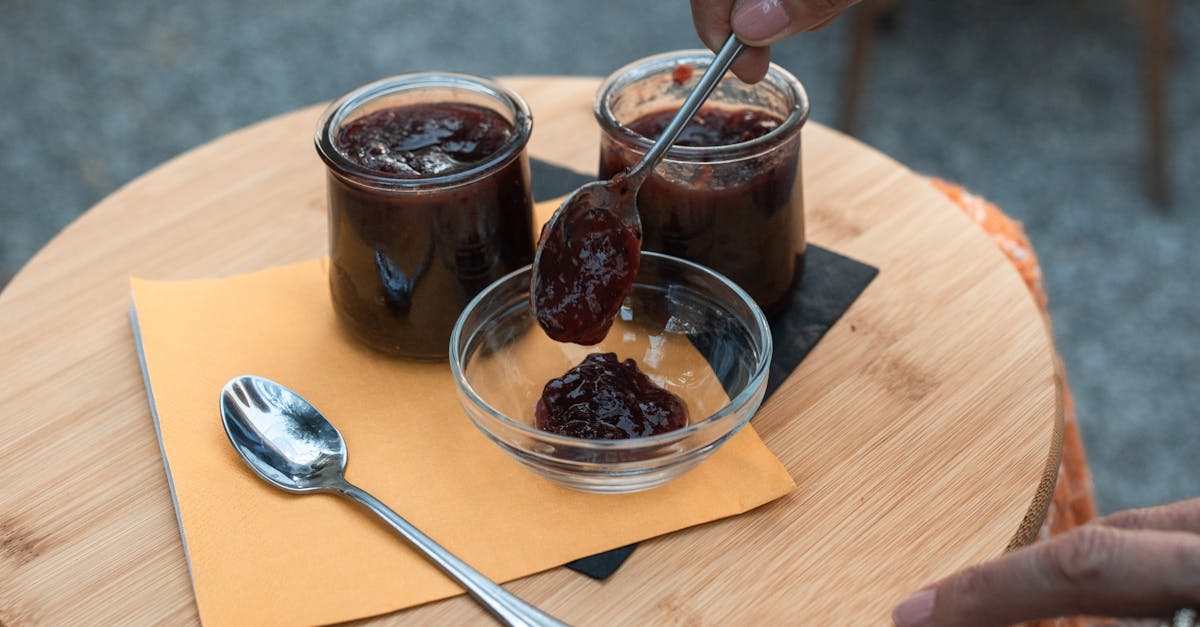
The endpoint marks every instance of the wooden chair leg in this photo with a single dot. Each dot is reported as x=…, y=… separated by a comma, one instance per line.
x=1156, y=69
x=866, y=18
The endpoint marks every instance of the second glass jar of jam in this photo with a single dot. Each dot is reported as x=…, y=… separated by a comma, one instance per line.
x=429, y=202
x=729, y=194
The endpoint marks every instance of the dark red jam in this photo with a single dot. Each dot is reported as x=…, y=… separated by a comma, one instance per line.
x=710, y=127
x=404, y=263
x=681, y=74
x=741, y=218
x=583, y=274
x=422, y=140
x=606, y=399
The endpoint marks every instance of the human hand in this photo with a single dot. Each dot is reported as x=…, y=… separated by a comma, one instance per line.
x=1141, y=563
x=758, y=24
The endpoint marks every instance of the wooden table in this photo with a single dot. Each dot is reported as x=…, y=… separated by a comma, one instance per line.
x=923, y=431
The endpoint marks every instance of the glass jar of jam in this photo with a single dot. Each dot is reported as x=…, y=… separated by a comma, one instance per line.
x=429, y=202
x=729, y=194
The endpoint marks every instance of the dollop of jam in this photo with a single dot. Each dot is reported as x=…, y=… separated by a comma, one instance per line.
x=682, y=73
x=606, y=399
x=712, y=126
x=582, y=274
x=426, y=139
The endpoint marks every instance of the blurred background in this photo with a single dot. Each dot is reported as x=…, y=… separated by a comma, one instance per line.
x=1039, y=105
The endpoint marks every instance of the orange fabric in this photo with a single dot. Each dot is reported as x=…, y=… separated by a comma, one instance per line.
x=1073, y=503
x=1007, y=233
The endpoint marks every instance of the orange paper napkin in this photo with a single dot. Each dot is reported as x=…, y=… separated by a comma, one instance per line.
x=260, y=556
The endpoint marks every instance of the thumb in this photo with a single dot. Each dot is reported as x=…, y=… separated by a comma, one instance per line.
x=1094, y=570
x=764, y=22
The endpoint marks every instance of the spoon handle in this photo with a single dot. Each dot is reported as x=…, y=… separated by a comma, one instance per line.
x=704, y=87
x=507, y=607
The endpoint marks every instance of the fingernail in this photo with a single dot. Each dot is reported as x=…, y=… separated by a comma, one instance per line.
x=756, y=20
x=916, y=610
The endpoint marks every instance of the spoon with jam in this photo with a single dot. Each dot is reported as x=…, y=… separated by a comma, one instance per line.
x=589, y=250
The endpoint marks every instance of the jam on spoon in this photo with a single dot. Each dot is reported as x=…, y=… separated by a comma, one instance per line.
x=594, y=261
x=589, y=251
x=606, y=399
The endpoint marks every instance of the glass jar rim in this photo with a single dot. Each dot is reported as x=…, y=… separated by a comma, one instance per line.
x=335, y=114
x=665, y=63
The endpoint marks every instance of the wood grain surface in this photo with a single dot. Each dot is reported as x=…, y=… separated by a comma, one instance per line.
x=921, y=430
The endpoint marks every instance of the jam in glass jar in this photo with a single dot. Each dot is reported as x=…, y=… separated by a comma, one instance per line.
x=729, y=194
x=429, y=202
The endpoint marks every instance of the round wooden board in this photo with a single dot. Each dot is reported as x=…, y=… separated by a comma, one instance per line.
x=923, y=431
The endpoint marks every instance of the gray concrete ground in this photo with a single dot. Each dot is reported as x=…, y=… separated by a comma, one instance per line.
x=1033, y=104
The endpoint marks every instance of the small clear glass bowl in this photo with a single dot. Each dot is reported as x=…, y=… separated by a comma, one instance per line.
x=693, y=331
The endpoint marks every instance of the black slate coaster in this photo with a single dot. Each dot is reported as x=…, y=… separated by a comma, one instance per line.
x=831, y=283
x=550, y=181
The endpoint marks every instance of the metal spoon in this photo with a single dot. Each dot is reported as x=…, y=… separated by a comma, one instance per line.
x=292, y=446
x=619, y=194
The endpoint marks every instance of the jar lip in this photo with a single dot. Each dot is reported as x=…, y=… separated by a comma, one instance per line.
x=335, y=114
x=665, y=63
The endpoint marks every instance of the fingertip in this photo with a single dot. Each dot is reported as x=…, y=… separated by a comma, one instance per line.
x=760, y=22
x=916, y=610
x=1179, y=516
x=768, y=22
x=752, y=65
x=711, y=19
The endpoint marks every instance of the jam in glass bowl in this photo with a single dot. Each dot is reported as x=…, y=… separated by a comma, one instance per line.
x=691, y=331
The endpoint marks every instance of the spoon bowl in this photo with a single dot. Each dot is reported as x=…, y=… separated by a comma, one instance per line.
x=291, y=445
x=588, y=255
x=611, y=195
x=281, y=436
